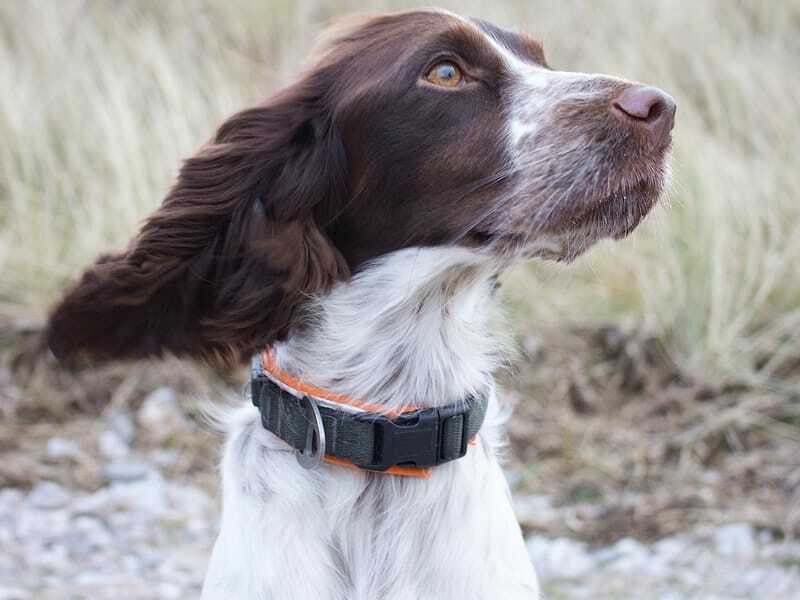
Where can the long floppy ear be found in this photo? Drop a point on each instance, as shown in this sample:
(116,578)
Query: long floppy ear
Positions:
(222,267)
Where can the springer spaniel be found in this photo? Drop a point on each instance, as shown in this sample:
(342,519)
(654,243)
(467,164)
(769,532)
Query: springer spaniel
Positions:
(351,230)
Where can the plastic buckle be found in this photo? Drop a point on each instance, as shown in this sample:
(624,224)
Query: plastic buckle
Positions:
(411,439)
(448,412)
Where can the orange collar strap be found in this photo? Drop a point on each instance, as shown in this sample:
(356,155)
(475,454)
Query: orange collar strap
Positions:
(270,365)
(340,430)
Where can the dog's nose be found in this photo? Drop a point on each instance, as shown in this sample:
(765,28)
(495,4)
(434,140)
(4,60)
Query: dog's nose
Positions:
(648,106)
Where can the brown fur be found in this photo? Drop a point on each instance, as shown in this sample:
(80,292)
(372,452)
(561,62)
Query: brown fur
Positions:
(222,267)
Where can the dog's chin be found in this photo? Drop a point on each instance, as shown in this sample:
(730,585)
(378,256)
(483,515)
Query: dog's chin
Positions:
(618,214)
(613,216)
(581,221)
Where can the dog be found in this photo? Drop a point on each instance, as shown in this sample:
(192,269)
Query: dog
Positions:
(348,233)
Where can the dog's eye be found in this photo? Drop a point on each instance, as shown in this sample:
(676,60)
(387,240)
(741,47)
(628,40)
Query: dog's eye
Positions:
(445,74)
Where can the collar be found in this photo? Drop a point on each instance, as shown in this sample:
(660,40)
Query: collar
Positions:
(334,428)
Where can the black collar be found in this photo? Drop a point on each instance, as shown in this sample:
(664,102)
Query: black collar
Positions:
(323,430)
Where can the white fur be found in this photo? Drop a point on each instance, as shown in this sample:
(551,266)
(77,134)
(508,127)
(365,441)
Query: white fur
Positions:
(415,325)
(411,328)
(535,88)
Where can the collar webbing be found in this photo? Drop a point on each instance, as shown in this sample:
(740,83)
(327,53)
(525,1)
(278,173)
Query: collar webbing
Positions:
(357,434)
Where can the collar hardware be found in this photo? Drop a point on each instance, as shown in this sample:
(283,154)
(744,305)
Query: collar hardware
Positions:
(312,454)
(405,442)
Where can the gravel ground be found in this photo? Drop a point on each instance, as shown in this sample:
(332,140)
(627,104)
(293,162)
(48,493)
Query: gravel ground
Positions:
(144,529)
(143,536)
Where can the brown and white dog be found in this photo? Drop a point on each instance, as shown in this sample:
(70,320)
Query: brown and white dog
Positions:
(355,223)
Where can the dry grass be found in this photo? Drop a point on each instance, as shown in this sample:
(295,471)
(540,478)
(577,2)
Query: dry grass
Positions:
(102,99)
(625,443)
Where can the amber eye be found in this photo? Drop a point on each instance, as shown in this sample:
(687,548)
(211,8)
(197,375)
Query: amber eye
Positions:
(445,74)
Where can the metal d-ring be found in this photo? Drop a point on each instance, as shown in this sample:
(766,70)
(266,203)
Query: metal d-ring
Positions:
(311,456)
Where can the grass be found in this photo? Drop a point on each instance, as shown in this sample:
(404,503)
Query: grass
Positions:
(101,101)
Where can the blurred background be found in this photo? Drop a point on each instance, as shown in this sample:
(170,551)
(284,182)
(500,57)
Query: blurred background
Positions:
(655,443)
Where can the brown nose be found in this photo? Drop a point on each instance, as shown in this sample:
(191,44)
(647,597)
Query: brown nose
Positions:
(648,106)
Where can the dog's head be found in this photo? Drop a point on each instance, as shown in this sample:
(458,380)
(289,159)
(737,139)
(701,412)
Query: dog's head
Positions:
(411,129)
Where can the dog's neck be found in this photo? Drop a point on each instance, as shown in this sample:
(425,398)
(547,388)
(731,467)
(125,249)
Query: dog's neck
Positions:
(412,328)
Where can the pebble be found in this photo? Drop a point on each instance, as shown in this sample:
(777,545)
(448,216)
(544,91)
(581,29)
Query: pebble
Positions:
(148,495)
(532,345)
(736,539)
(559,557)
(122,425)
(59,448)
(535,511)
(160,415)
(87,535)
(128,470)
(163,458)
(170,590)
(630,556)
(47,495)
(112,446)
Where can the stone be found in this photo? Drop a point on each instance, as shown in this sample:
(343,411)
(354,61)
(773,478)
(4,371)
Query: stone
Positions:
(513,478)
(559,557)
(629,554)
(191,500)
(673,596)
(48,495)
(736,539)
(128,470)
(13,593)
(123,426)
(670,548)
(87,534)
(112,446)
(10,500)
(168,590)
(535,511)
(59,448)
(160,415)
(164,458)
(532,345)
(147,494)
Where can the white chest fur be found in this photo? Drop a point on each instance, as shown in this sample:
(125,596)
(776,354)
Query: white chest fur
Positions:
(412,328)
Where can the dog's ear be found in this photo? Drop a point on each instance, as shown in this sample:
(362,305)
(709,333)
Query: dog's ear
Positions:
(222,267)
